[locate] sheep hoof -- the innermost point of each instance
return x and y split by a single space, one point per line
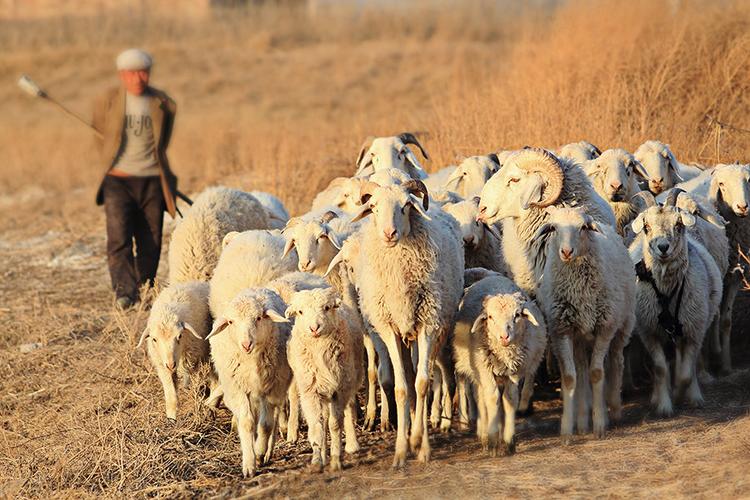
435 422
509 448
369 423
414 443
664 410
316 466
335 465
526 412
445 426
424 455
599 433
248 472
615 414
386 426
567 439
352 448
399 461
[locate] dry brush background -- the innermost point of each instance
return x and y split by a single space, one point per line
272 99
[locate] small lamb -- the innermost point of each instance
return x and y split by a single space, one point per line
500 336
326 355
176 328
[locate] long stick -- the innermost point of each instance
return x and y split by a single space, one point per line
71 113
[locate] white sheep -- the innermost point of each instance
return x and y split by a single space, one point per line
500 336
472 174
248 259
379 153
661 169
530 180
277 213
342 193
679 290
587 292
174 337
613 175
196 240
436 180
248 348
579 152
729 193
409 286
317 239
325 353
482 242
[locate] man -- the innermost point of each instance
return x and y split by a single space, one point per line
136 122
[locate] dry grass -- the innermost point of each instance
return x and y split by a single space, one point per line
272 100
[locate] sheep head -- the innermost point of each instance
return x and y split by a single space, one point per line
164 334
505 318
379 153
658 166
530 178
472 174
729 188
249 318
580 152
663 229
391 207
347 192
465 212
315 312
316 242
613 175
567 234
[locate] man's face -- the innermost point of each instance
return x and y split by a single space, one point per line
136 81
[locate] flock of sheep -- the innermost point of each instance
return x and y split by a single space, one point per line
455 285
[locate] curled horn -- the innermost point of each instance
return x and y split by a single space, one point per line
409 138
541 161
671 200
415 186
328 216
365 192
364 148
643 200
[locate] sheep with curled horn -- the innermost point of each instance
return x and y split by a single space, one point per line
410 283
379 153
531 180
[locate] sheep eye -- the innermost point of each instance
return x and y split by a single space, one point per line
299 312
476 222
403 209
513 179
327 308
153 339
646 227
346 195
721 184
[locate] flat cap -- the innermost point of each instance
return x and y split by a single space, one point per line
134 60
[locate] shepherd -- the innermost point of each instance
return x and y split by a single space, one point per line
135 121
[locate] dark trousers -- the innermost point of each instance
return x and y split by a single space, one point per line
134 207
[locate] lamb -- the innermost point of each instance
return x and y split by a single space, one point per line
590 315
410 284
248 259
578 152
660 167
274 207
472 174
482 243
342 193
530 180
500 334
316 239
378 153
729 193
248 348
178 322
325 353
613 175
679 290
196 241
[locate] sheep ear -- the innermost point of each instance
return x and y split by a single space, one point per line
417 204
639 170
672 163
478 323
363 212
494 159
366 171
275 317
290 313
288 247
533 194
228 238
543 231
337 302
530 316
592 225
334 262
637 224
144 336
333 238
219 325
492 229
453 178
186 326
687 218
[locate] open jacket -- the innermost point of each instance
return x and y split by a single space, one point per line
109 119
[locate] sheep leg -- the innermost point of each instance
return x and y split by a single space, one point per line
335 421
488 425
283 419
731 287
445 363
510 403
524 406
615 374
350 430
393 343
660 397
563 346
265 427
419 432
372 379
169 384
407 354
463 403
583 396
386 379
596 374
245 414
311 408
215 392
687 384
292 429
272 435
437 399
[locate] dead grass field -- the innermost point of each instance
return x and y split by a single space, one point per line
270 99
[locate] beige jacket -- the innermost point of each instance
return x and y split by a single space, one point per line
109 118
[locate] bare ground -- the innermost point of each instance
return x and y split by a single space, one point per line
82 414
